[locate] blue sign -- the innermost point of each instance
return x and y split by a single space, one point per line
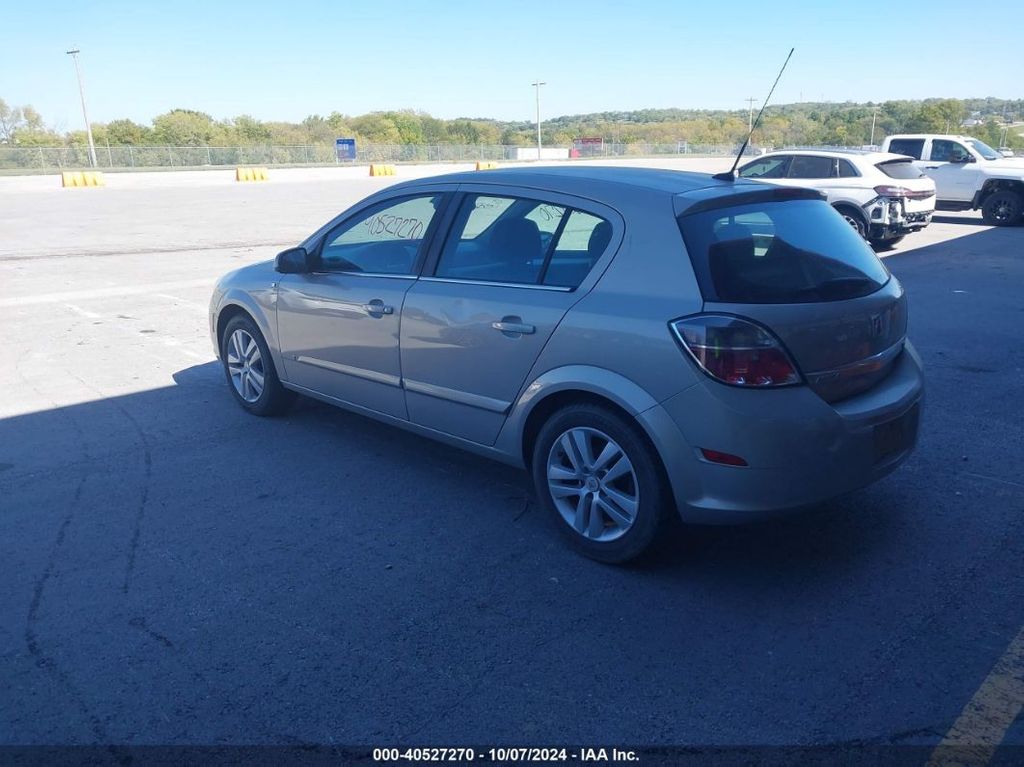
345 148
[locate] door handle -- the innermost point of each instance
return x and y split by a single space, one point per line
376 306
931 167
517 328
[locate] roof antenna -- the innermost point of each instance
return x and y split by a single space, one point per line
730 175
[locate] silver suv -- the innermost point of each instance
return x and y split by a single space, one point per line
644 342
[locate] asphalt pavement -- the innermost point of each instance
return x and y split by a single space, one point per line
176 571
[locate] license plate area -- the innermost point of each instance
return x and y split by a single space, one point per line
897 435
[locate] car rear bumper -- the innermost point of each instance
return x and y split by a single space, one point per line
800 449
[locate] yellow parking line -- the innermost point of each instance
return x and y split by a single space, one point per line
982 725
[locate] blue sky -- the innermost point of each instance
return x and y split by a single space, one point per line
285 60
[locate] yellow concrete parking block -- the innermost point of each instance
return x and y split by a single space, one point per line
82 178
250 174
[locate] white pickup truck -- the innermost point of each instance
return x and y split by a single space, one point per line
968 174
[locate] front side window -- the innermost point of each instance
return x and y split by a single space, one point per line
811 167
797 251
944 150
522 241
766 167
914 147
386 240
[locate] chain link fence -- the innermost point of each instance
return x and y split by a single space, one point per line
46 159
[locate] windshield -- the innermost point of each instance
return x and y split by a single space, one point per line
984 149
792 252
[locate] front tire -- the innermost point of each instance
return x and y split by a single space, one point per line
1002 209
250 371
602 481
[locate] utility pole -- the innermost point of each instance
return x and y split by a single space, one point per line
73 53
750 114
874 114
537 86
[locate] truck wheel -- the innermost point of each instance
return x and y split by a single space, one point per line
1002 208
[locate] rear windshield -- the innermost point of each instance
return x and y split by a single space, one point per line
789 252
900 169
909 146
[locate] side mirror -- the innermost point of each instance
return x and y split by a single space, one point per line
292 261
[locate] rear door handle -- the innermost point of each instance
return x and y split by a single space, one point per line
518 328
376 306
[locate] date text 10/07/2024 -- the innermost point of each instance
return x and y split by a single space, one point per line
504 755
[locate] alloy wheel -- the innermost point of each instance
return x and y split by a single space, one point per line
1003 212
854 222
593 484
245 365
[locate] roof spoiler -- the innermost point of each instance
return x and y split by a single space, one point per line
714 197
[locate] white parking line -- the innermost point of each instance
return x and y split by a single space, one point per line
85 295
185 302
83 312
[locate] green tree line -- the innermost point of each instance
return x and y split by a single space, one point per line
845 124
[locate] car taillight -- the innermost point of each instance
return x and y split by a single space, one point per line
736 351
886 190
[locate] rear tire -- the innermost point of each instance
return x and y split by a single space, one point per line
854 219
250 371
1002 209
602 482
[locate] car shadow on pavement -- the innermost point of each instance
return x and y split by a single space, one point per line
166 553
151 466
824 535
176 445
812 537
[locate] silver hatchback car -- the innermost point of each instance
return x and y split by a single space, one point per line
644 342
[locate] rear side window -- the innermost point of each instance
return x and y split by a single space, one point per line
797 251
908 146
900 169
581 242
811 167
522 241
